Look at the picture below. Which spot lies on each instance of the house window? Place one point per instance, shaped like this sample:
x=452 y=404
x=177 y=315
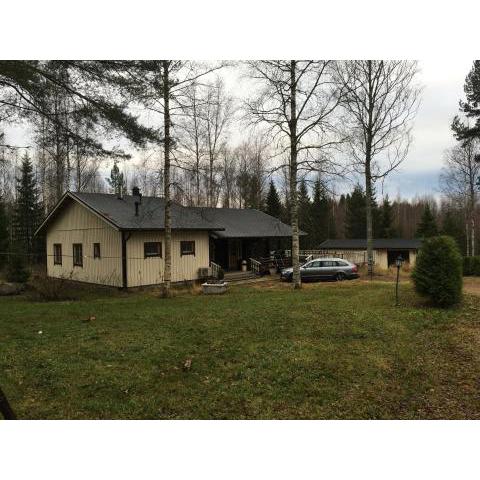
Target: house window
x=57 y=253
x=152 y=249
x=96 y=250
x=77 y=255
x=187 y=247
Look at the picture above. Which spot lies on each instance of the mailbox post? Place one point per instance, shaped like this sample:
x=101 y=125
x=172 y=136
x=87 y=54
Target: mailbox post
x=398 y=264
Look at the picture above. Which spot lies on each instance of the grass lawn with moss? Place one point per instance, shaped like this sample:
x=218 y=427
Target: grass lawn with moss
x=331 y=350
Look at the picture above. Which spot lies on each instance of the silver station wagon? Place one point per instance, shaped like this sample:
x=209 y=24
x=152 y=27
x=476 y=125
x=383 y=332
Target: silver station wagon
x=323 y=269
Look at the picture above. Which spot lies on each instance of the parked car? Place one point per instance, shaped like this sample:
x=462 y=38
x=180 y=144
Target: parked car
x=323 y=269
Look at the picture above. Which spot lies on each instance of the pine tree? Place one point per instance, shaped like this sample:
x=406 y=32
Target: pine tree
x=428 y=225
x=355 y=218
x=470 y=107
x=28 y=211
x=117 y=180
x=273 y=205
x=386 y=228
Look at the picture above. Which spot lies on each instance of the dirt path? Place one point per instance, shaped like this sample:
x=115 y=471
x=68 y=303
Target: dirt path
x=471 y=285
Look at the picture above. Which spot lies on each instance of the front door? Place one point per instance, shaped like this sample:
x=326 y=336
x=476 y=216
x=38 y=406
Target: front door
x=234 y=253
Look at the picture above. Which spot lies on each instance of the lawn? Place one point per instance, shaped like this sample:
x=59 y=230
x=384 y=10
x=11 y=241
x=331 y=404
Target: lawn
x=331 y=350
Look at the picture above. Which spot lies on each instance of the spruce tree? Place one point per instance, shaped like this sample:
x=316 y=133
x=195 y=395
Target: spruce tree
x=428 y=225
x=273 y=205
x=355 y=218
x=28 y=211
x=304 y=210
x=320 y=217
x=386 y=228
x=4 y=243
x=452 y=225
x=117 y=180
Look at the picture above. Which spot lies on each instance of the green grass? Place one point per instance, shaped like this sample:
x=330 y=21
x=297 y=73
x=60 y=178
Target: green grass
x=327 y=351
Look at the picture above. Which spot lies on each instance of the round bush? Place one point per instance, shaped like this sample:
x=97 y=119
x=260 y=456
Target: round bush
x=438 y=271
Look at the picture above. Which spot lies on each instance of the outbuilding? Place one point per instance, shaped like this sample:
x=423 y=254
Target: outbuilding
x=385 y=250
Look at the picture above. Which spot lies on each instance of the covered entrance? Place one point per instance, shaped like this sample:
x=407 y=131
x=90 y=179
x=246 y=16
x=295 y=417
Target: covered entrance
x=392 y=256
x=230 y=252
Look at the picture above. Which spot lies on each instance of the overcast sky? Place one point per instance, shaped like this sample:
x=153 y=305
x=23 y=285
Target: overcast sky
x=442 y=83
x=443 y=88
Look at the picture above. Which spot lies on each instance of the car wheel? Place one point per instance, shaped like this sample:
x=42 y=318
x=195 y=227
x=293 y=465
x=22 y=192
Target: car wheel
x=340 y=276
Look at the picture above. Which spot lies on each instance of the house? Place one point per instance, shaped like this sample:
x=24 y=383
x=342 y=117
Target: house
x=385 y=250
x=118 y=240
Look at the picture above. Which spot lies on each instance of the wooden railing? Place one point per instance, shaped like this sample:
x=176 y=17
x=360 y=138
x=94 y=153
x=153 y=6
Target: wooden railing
x=215 y=269
x=255 y=266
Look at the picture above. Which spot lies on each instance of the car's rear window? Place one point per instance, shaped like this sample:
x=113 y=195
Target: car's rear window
x=342 y=264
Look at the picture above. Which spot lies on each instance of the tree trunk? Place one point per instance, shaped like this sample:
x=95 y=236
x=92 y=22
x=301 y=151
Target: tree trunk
x=472 y=234
x=368 y=171
x=79 y=183
x=368 y=193
x=297 y=281
x=167 y=145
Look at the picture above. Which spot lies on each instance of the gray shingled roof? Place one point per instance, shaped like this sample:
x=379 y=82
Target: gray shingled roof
x=244 y=223
x=121 y=212
x=226 y=222
x=378 y=243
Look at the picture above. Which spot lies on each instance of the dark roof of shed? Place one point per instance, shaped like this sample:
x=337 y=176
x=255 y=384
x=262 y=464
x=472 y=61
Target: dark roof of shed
x=245 y=223
x=378 y=243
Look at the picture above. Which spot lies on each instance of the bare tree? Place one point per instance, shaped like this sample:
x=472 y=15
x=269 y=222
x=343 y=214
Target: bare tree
x=218 y=113
x=296 y=103
x=162 y=86
x=380 y=100
x=458 y=182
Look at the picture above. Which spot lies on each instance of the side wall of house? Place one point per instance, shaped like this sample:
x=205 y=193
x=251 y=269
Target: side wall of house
x=149 y=271
x=76 y=224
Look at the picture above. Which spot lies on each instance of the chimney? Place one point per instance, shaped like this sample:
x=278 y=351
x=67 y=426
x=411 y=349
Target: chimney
x=137 y=197
x=120 y=192
x=136 y=193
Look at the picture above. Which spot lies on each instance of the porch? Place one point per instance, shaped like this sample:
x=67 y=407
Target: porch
x=231 y=253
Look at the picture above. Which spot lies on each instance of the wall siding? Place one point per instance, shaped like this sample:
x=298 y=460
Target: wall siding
x=76 y=224
x=149 y=271
x=380 y=256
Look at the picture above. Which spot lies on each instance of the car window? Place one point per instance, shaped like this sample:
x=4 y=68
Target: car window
x=328 y=263
x=342 y=264
x=315 y=264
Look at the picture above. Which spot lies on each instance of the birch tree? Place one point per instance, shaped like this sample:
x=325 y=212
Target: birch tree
x=295 y=103
x=458 y=181
x=380 y=100
x=162 y=86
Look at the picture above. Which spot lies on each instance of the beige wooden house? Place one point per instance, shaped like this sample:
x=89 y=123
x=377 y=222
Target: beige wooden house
x=119 y=240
